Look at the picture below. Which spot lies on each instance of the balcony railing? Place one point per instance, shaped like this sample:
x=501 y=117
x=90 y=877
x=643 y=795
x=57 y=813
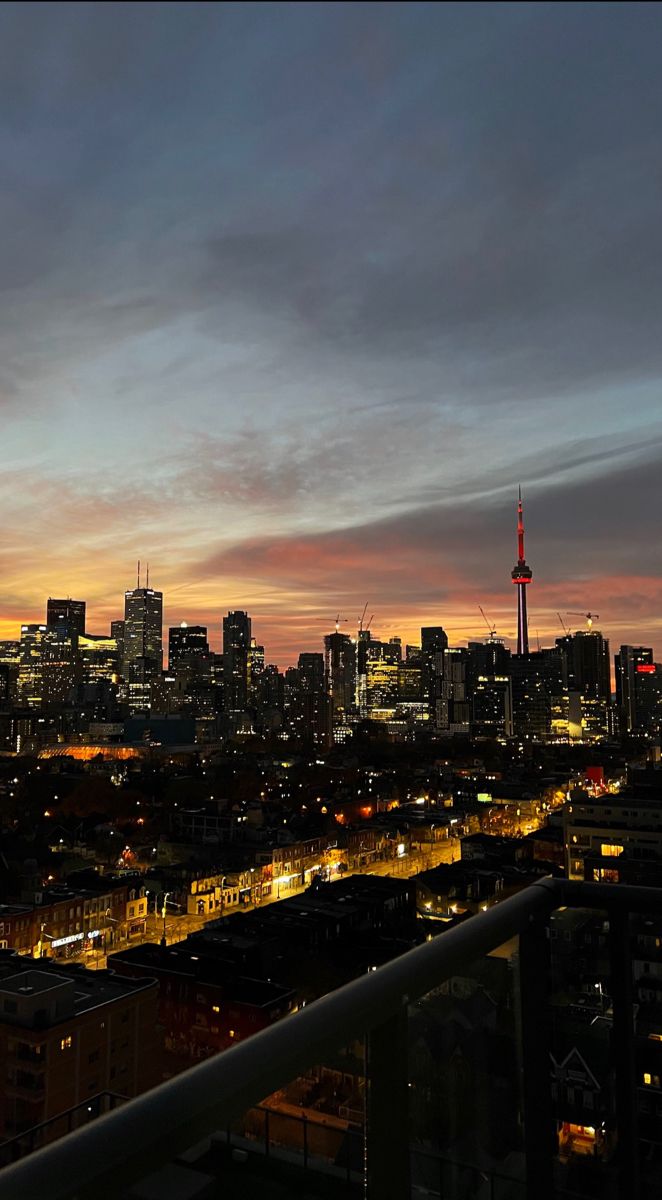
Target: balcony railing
x=106 y=1157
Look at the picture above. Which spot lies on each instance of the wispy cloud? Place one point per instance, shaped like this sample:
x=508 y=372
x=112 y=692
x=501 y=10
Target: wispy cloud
x=294 y=296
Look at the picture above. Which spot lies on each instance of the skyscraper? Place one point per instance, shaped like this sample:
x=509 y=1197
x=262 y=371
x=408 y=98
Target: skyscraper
x=142 y=659
x=434 y=641
x=521 y=575
x=637 y=688
x=236 y=651
x=187 y=645
x=66 y=612
x=589 y=684
x=340 y=673
x=256 y=670
x=117 y=632
x=31 y=667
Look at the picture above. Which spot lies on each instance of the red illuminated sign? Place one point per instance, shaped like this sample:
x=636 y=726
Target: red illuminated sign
x=645 y=668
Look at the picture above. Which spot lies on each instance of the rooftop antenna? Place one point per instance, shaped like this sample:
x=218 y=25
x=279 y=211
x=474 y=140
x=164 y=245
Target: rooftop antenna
x=147 y=575
x=138 y=572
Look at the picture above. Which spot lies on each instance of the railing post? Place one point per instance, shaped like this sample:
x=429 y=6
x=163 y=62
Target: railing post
x=539 y=1128
x=623 y=1050
x=387 y=1111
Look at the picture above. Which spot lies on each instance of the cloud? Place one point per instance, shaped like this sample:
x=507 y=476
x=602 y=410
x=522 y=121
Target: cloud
x=293 y=299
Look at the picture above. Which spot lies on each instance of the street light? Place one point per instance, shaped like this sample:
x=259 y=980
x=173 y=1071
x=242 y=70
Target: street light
x=42 y=935
x=163 y=910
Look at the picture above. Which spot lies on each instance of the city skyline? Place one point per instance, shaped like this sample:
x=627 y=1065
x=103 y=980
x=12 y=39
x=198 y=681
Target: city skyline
x=296 y=297
x=519 y=641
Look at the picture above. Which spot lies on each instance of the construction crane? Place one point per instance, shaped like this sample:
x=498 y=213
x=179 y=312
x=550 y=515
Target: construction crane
x=339 y=619
x=362 y=617
x=590 y=617
x=492 y=628
x=564 y=627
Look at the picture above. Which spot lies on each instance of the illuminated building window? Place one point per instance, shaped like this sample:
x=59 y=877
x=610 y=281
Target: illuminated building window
x=609 y=850
x=647 y=1079
x=215 y=1008
x=232 y=1033
x=66 y=1043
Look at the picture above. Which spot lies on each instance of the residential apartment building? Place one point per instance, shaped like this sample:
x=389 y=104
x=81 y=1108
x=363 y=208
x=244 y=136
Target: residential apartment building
x=67 y=1035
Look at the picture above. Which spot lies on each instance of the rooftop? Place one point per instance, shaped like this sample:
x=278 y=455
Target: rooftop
x=205 y=968
x=28 y=977
x=32 y=982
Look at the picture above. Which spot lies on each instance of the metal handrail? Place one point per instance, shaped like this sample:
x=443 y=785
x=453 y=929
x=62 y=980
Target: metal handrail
x=160 y=1124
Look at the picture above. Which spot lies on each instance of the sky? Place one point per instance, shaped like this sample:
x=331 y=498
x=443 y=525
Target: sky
x=293 y=297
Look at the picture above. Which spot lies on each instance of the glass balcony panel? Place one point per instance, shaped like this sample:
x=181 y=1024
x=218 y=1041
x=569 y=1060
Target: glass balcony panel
x=465 y=1083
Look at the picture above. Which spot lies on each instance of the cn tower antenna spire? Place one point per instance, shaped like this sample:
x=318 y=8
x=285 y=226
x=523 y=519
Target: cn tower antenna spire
x=521 y=576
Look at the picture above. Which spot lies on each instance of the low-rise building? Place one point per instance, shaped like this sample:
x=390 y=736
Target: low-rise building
x=204 y=1004
x=68 y=1034
x=600 y=829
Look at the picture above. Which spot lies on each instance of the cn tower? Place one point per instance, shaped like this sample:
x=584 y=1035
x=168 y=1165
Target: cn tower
x=521 y=575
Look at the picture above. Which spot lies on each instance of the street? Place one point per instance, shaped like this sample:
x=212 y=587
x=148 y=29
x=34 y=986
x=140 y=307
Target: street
x=179 y=926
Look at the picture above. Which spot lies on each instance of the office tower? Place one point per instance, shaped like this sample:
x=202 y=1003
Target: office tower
x=492 y=707
x=340 y=673
x=291 y=700
x=381 y=685
x=10 y=659
x=10 y=653
x=255 y=673
x=98 y=677
x=268 y=689
x=187 y=646
x=66 y=612
x=648 y=698
x=434 y=640
x=587 y=655
x=521 y=576
x=142 y=658
x=409 y=682
x=636 y=688
x=236 y=650
x=392 y=650
x=589 y=686
x=189 y=676
x=30 y=672
x=363 y=643
x=216 y=681
x=532 y=697
x=5 y=686
x=311 y=673
x=117 y=632
x=488 y=658
x=98 y=658
x=59 y=665
x=452 y=709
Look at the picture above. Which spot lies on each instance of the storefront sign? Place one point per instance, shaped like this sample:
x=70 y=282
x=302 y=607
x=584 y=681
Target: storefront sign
x=66 y=941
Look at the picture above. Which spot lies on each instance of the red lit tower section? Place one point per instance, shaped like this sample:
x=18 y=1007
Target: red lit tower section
x=521 y=575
